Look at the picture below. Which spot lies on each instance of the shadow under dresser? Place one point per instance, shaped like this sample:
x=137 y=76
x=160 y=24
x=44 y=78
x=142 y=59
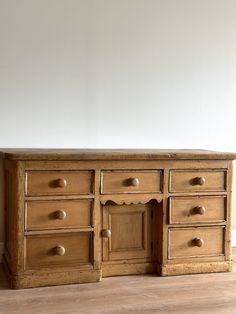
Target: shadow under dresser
x=74 y=216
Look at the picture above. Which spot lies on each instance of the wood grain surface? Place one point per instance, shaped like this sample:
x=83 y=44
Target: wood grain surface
x=42 y=215
x=116 y=154
x=198 y=209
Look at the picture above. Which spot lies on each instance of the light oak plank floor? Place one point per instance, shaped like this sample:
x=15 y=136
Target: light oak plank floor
x=209 y=293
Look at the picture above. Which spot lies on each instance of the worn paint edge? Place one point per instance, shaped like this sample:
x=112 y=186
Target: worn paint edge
x=234 y=238
x=1 y=250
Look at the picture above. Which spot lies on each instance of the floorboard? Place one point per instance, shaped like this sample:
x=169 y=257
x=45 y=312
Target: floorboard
x=208 y=293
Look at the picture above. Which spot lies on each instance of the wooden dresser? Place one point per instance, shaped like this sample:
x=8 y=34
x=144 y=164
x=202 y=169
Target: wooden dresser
x=74 y=216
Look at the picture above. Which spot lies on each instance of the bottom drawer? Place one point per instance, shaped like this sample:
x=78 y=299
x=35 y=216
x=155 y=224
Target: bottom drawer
x=58 y=250
x=196 y=242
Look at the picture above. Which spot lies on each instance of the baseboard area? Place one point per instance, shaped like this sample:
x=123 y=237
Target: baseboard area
x=234 y=238
x=1 y=251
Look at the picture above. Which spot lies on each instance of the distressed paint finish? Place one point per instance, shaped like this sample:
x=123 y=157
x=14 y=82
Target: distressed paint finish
x=76 y=216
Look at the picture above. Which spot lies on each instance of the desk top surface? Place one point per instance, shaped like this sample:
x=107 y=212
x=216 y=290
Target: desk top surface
x=115 y=154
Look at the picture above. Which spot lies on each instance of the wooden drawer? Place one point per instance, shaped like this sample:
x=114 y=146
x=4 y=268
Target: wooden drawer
x=197 y=180
x=58 y=250
x=199 y=209
x=145 y=181
x=196 y=242
x=59 y=182
x=40 y=215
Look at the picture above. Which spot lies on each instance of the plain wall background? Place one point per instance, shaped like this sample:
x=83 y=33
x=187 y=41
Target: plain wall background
x=118 y=73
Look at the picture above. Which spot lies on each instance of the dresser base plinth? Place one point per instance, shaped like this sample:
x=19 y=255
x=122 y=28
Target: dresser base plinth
x=128 y=269
x=195 y=268
x=41 y=279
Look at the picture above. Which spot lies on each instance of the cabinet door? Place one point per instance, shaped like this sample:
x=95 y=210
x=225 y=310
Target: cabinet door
x=126 y=231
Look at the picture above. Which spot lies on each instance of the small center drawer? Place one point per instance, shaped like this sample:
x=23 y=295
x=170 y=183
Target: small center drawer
x=199 y=209
x=58 y=250
x=59 y=182
x=197 y=180
x=42 y=215
x=145 y=181
x=196 y=242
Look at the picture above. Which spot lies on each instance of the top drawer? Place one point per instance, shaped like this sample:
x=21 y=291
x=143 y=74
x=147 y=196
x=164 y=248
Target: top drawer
x=140 y=181
x=58 y=182
x=198 y=180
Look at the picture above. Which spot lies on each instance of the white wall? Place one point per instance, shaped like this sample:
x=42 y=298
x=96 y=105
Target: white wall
x=118 y=73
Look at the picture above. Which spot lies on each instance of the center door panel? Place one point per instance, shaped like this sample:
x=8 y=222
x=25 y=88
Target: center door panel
x=127 y=231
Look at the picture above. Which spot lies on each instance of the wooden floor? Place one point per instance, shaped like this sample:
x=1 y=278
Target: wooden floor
x=209 y=293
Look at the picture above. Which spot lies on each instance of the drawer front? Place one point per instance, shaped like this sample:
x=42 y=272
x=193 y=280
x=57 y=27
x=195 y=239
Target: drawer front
x=196 y=181
x=196 y=242
x=59 y=182
x=200 y=209
x=58 y=250
x=42 y=215
x=131 y=182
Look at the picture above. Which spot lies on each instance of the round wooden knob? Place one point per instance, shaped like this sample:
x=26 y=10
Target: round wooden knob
x=134 y=181
x=199 y=181
x=60 y=214
x=198 y=242
x=106 y=233
x=61 y=183
x=199 y=210
x=59 y=250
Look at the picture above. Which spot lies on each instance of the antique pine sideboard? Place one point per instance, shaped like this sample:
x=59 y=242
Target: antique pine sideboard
x=74 y=216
